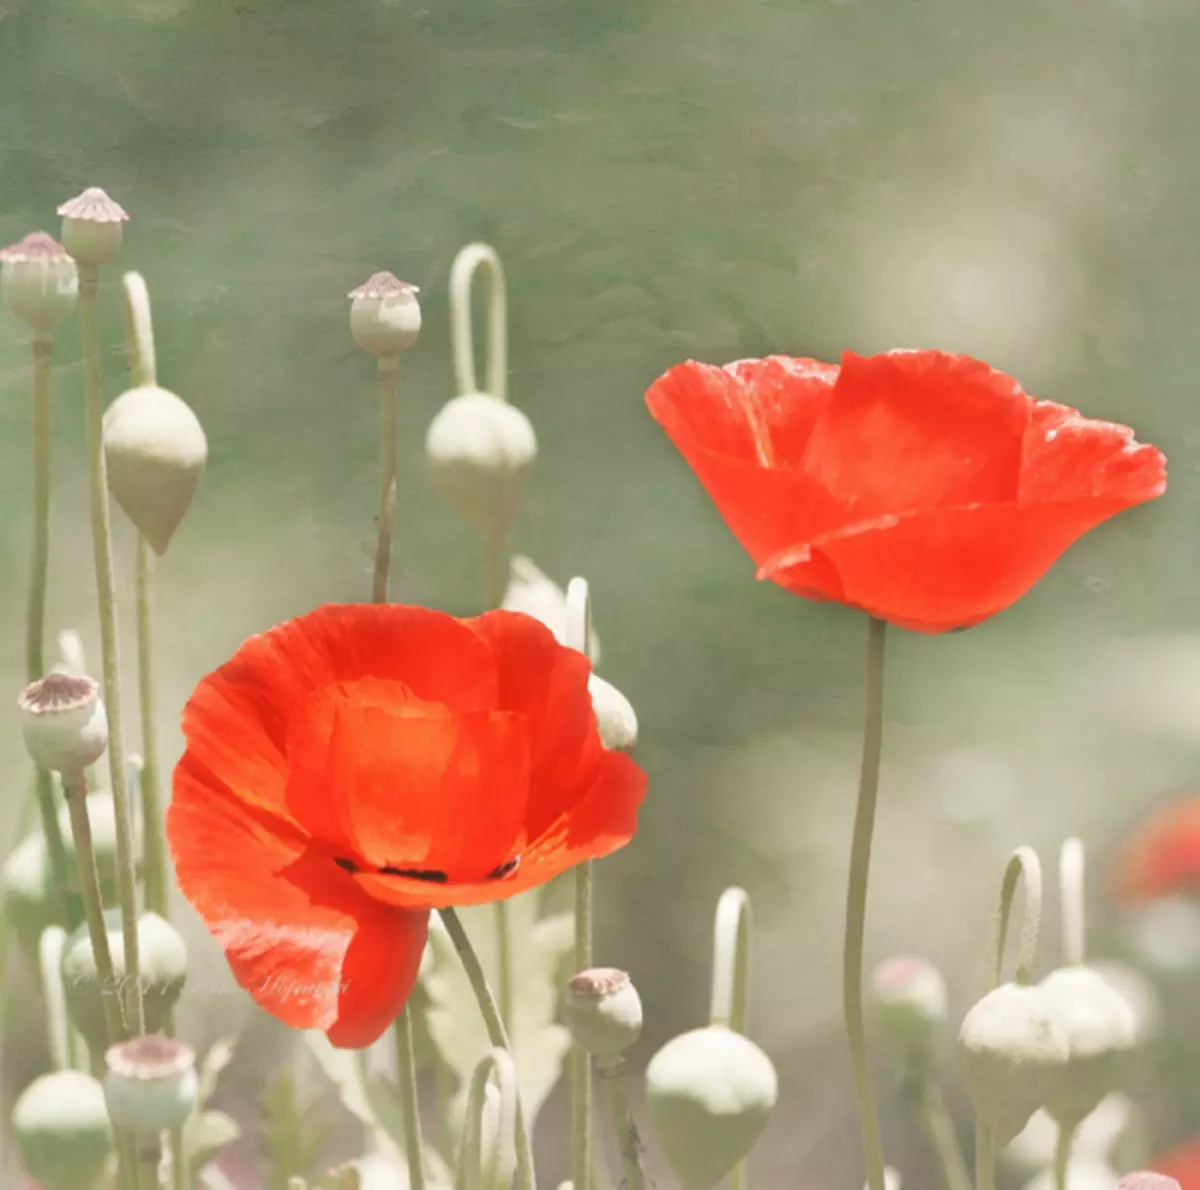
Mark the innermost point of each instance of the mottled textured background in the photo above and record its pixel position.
(662, 179)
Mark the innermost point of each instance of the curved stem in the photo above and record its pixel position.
(856, 905)
(504, 972)
(89, 281)
(139, 331)
(731, 960)
(498, 1064)
(495, 1029)
(1062, 1157)
(1071, 884)
(462, 273)
(406, 1079)
(628, 1139)
(389, 384)
(1024, 865)
(154, 851)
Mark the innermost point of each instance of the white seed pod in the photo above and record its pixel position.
(480, 450)
(1100, 1029)
(39, 282)
(163, 961)
(385, 316)
(1011, 1044)
(908, 997)
(63, 722)
(93, 225)
(538, 595)
(151, 1084)
(603, 1012)
(63, 1132)
(710, 1093)
(615, 716)
(155, 451)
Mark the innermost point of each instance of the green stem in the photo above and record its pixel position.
(406, 1079)
(179, 1170)
(89, 281)
(731, 978)
(940, 1129)
(504, 978)
(581, 1060)
(495, 569)
(495, 1030)
(1071, 888)
(1062, 1157)
(154, 852)
(985, 1157)
(628, 1140)
(389, 383)
(856, 905)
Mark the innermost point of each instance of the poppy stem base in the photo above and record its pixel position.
(856, 905)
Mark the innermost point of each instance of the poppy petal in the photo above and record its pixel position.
(918, 429)
(1162, 856)
(938, 569)
(300, 936)
(401, 783)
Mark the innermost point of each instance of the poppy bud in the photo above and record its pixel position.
(909, 996)
(604, 1012)
(63, 1132)
(538, 595)
(1099, 1027)
(63, 721)
(151, 1084)
(385, 316)
(39, 282)
(92, 227)
(615, 716)
(710, 1093)
(1083, 1173)
(480, 449)
(1145, 1179)
(155, 451)
(163, 962)
(1011, 1044)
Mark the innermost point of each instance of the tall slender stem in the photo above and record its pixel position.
(1062, 1157)
(389, 383)
(154, 852)
(611, 1079)
(406, 1077)
(581, 1060)
(89, 283)
(940, 1129)
(731, 978)
(504, 973)
(1071, 888)
(856, 905)
(495, 1029)
(985, 1157)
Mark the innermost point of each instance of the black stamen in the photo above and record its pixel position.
(347, 865)
(505, 869)
(434, 877)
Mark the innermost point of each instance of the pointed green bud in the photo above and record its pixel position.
(908, 996)
(151, 1085)
(1011, 1044)
(63, 722)
(39, 282)
(163, 973)
(63, 1132)
(155, 451)
(385, 316)
(603, 1012)
(93, 225)
(710, 1093)
(1100, 1030)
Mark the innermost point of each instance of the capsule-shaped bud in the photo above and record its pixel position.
(63, 1132)
(710, 1093)
(1100, 1030)
(385, 316)
(908, 996)
(615, 716)
(603, 1012)
(1146, 1179)
(39, 282)
(1139, 993)
(163, 961)
(93, 225)
(480, 449)
(151, 1084)
(536, 594)
(1011, 1045)
(63, 722)
(155, 451)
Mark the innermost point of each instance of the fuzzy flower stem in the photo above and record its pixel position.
(856, 905)
(617, 1102)
(389, 384)
(731, 977)
(1062, 1157)
(154, 853)
(462, 273)
(1071, 883)
(89, 278)
(495, 1029)
(940, 1129)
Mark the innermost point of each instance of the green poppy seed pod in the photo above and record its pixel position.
(1146, 1179)
(480, 449)
(385, 316)
(93, 225)
(30, 903)
(1100, 1030)
(603, 1012)
(63, 722)
(615, 716)
(163, 973)
(155, 451)
(908, 996)
(1011, 1044)
(710, 1093)
(151, 1084)
(39, 282)
(63, 1132)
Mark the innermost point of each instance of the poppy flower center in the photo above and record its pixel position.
(388, 783)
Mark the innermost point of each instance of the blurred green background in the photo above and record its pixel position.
(662, 179)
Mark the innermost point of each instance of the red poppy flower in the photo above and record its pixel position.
(927, 489)
(1181, 1163)
(1161, 856)
(348, 771)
